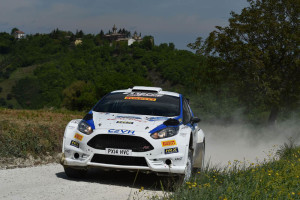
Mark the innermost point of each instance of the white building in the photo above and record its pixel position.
(19, 34)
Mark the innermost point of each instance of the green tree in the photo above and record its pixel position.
(13, 30)
(79, 96)
(261, 48)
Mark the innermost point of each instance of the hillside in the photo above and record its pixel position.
(50, 71)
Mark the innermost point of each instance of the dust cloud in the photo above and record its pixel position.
(246, 143)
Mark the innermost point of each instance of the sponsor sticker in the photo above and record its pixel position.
(124, 122)
(141, 98)
(171, 150)
(121, 131)
(153, 119)
(74, 144)
(178, 159)
(134, 118)
(144, 94)
(168, 143)
(78, 136)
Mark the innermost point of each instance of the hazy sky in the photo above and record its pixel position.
(177, 21)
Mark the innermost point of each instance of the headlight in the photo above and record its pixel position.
(165, 133)
(84, 127)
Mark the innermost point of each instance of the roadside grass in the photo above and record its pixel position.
(278, 177)
(33, 132)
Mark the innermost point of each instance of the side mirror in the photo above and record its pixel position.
(195, 120)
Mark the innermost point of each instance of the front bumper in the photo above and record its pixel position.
(156, 160)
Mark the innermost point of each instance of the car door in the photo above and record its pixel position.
(187, 116)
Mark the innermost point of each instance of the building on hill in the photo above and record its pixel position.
(114, 36)
(123, 36)
(78, 41)
(19, 34)
(135, 38)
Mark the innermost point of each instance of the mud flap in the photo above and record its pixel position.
(199, 155)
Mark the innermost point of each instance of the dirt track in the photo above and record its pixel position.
(50, 182)
(222, 144)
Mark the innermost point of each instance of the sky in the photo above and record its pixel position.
(177, 21)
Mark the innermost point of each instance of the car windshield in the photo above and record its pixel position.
(140, 103)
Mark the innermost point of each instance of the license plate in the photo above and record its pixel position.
(119, 152)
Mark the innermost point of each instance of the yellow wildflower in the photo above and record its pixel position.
(142, 188)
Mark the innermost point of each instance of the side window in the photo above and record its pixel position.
(186, 112)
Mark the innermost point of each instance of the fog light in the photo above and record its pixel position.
(76, 155)
(168, 162)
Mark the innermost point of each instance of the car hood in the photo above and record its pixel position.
(127, 122)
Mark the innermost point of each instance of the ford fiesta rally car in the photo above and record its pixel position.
(141, 128)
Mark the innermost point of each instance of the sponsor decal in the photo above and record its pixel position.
(141, 98)
(124, 122)
(153, 119)
(144, 94)
(178, 159)
(74, 144)
(171, 150)
(78, 136)
(121, 131)
(168, 143)
(127, 118)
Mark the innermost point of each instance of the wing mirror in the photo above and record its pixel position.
(195, 120)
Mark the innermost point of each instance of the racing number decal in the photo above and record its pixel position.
(78, 136)
(168, 143)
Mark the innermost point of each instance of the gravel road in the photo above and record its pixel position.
(50, 182)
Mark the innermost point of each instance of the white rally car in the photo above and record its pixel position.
(141, 128)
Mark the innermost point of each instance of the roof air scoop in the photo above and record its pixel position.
(146, 89)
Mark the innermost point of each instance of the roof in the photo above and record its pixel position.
(19, 32)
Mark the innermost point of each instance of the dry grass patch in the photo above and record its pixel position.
(32, 132)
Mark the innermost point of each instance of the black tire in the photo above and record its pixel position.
(203, 158)
(189, 166)
(75, 173)
(188, 170)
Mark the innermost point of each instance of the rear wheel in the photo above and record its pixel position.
(75, 173)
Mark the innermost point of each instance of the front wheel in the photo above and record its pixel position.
(189, 168)
(75, 173)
